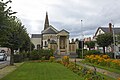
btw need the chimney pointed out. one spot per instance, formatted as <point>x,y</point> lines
<point>72,40</point>
<point>110,27</point>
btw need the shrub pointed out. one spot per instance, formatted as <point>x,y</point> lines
<point>79,52</point>
<point>52,59</point>
<point>103,60</point>
<point>65,60</point>
<point>111,54</point>
<point>34,55</point>
<point>41,54</point>
<point>18,58</point>
<point>92,52</point>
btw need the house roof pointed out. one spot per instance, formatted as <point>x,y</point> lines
<point>50,30</point>
<point>63,30</point>
<point>116,30</point>
<point>106,30</point>
<point>36,36</point>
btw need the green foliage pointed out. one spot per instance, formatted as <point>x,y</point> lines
<point>65,60</point>
<point>12,33</point>
<point>110,54</point>
<point>79,52</point>
<point>41,54</point>
<point>90,44</point>
<point>118,38</point>
<point>18,58</point>
<point>90,52</point>
<point>52,59</point>
<point>104,40</point>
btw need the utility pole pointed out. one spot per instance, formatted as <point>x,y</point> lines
<point>82,38</point>
<point>114,51</point>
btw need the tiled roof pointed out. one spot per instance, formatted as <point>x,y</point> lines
<point>36,36</point>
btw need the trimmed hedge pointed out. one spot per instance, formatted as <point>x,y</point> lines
<point>90,52</point>
<point>86,52</point>
<point>40,54</point>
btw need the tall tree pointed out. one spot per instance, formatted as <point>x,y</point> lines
<point>12,33</point>
<point>104,40</point>
<point>90,44</point>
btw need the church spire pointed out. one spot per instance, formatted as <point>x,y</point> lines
<point>46,25</point>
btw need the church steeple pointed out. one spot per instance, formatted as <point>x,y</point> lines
<point>46,25</point>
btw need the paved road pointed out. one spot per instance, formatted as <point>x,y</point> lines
<point>4,63</point>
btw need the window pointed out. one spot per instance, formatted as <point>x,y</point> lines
<point>45,43</point>
<point>119,49</point>
<point>38,46</point>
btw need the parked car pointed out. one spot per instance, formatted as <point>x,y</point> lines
<point>3,56</point>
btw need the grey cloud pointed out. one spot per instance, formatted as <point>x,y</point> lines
<point>68,13</point>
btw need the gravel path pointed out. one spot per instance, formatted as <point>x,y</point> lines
<point>108,73</point>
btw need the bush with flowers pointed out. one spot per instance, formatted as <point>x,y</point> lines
<point>65,60</point>
<point>82,71</point>
<point>52,58</point>
<point>103,60</point>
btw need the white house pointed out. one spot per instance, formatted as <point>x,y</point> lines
<point>102,30</point>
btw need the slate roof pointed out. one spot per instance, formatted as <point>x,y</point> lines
<point>105,29</point>
<point>50,30</point>
<point>63,30</point>
<point>36,36</point>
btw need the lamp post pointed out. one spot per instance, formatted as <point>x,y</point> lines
<point>82,45</point>
<point>114,43</point>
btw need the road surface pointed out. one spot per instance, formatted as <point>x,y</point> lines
<point>5,63</point>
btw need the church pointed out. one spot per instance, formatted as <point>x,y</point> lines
<point>51,38</point>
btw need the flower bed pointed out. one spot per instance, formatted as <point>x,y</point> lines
<point>103,60</point>
<point>84,72</point>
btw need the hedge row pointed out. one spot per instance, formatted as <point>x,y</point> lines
<point>33,55</point>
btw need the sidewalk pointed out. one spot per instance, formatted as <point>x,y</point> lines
<point>8,69</point>
<point>108,73</point>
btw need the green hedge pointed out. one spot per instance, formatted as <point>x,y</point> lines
<point>40,54</point>
<point>90,52</point>
<point>86,52</point>
<point>19,57</point>
<point>34,55</point>
<point>79,52</point>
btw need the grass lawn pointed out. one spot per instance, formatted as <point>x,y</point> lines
<point>42,71</point>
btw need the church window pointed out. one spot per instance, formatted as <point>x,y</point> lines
<point>38,46</point>
<point>45,43</point>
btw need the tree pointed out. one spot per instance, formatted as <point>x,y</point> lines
<point>13,34</point>
<point>90,44</point>
<point>104,40</point>
<point>118,38</point>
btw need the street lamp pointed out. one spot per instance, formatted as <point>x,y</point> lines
<point>82,44</point>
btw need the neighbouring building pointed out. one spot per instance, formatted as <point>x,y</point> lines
<point>51,38</point>
<point>102,30</point>
<point>5,50</point>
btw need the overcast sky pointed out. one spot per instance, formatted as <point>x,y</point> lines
<point>67,14</point>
